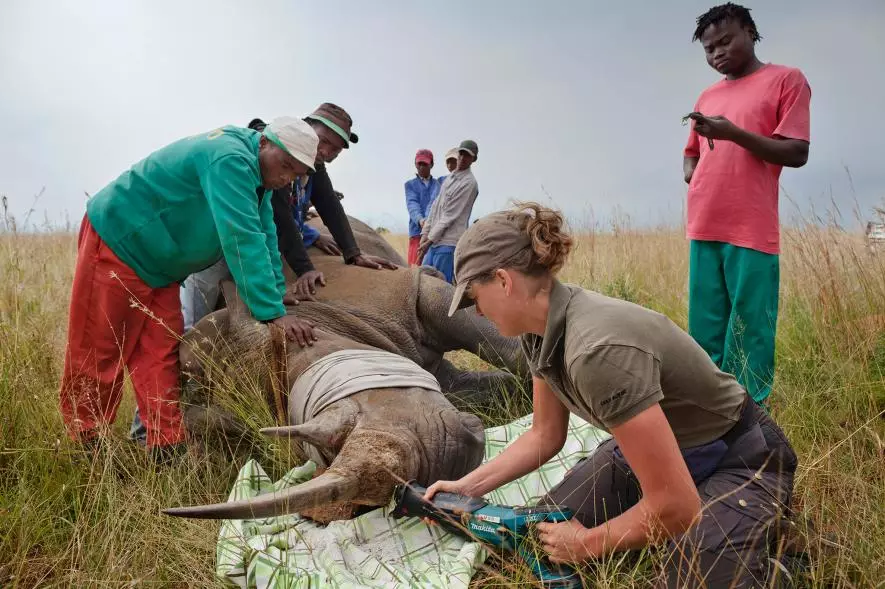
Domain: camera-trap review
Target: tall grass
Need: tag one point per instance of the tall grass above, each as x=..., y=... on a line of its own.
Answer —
x=65, y=521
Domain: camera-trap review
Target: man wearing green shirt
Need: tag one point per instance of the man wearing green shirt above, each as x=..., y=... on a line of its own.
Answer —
x=177, y=211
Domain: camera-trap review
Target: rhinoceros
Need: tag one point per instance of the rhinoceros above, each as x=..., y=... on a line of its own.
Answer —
x=370, y=440
x=375, y=438
x=405, y=312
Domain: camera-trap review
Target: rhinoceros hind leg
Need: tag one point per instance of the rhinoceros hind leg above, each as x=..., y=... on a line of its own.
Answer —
x=432, y=271
x=482, y=392
x=215, y=430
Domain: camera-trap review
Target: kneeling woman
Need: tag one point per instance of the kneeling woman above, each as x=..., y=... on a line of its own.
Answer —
x=692, y=461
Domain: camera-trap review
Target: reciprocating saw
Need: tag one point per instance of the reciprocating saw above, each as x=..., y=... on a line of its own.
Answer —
x=498, y=525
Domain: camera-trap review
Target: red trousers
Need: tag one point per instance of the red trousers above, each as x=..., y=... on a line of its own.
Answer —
x=413, y=251
x=117, y=321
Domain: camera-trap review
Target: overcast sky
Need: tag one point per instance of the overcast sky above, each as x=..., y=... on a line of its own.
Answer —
x=575, y=101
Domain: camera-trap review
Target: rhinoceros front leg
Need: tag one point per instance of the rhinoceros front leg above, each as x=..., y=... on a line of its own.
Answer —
x=467, y=330
x=478, y=391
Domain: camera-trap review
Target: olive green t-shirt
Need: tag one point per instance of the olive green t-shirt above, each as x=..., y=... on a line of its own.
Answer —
x=608, y=360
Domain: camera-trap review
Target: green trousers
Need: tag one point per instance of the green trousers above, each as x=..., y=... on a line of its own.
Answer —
x=732, y=310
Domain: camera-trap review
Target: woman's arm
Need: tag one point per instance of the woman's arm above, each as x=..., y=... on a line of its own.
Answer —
x=670, y=501
x=530, y=450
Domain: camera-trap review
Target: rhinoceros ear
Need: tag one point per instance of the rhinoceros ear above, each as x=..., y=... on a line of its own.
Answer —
x=326, y=431
x=236, y=308
x=316, y=434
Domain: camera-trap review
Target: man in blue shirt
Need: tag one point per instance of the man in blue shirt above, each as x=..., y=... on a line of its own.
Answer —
x=421, y=191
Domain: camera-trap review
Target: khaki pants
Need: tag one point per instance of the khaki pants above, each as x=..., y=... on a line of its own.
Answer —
x=729, y=546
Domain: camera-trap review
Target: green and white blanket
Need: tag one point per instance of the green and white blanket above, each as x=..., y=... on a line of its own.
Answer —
x=373, y=550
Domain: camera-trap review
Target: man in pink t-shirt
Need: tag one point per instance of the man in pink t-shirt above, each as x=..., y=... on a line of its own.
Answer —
x=745, y=128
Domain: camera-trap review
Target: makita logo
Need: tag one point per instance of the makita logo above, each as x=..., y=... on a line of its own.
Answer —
x=482, y=528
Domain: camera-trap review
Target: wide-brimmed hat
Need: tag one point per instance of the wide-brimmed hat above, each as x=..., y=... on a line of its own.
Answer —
x=337, y=119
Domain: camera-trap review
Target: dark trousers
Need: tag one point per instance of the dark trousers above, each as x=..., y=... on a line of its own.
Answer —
x=743, y=501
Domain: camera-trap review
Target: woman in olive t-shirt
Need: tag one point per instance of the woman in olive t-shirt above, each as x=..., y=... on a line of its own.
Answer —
x=692, y=461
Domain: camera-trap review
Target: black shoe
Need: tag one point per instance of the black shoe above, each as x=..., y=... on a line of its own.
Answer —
x=87, y=451
x=164, y=455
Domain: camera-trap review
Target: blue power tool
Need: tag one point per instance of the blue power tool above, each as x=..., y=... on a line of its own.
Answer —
x=498, y=525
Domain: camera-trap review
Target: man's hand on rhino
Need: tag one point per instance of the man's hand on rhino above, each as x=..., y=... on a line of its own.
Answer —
x=306, y=285
x=296, y=329
x=374, y=262
x=327, y=245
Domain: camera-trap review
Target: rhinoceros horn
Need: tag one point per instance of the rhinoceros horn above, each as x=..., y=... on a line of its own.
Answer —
x=326, y=489
x=325, y=432
x=345, y=480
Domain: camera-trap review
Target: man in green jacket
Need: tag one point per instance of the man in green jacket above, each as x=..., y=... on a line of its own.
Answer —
x=177, y=211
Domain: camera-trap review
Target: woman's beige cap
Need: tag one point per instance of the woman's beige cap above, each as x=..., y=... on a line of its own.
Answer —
x=487, y=245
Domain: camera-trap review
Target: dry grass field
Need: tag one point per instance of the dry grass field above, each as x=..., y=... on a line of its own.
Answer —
x=73, y=524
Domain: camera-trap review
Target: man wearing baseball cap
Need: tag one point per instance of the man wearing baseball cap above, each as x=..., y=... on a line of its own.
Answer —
x=451, y=161
x=421, y=192
x=177, y=211
x=450, y=213
x=333, y=126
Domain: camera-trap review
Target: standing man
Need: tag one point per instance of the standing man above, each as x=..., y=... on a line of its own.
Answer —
x=421, y=192
x=450, y=213
x=179, y=210
x=332, y=126
x=746, y=127
x=451, y=161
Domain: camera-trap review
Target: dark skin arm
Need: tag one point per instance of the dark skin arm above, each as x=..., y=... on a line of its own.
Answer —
x=291, y=245
x=781, y=151
x=296, y=329
x=329, y=208
x=688, y=166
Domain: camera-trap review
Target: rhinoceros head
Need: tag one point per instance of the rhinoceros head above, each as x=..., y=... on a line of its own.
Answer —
x=371, y=440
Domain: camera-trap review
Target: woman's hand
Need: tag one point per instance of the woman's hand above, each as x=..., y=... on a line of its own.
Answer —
x=670, y=502
x=458, y=487
x=564, y=541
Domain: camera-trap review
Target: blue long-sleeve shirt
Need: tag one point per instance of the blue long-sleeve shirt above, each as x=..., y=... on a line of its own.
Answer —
x=302, y=202
x=419, y=199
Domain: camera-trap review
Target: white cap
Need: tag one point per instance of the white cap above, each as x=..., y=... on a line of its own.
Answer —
x=296, y=137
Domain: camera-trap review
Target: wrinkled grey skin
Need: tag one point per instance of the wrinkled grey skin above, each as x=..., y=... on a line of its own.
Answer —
x=410, y=307
x=372, y=440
